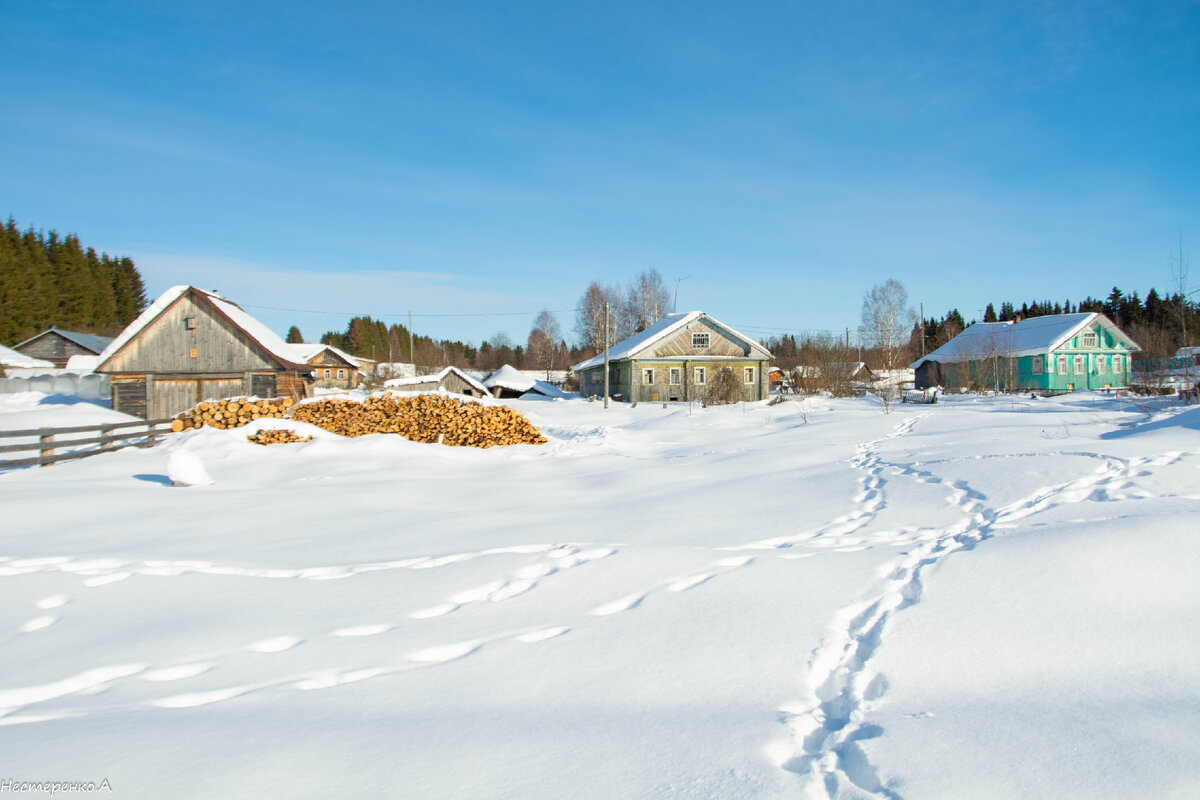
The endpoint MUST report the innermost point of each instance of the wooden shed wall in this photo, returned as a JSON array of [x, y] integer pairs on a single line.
[[52, 346], [166, 345]]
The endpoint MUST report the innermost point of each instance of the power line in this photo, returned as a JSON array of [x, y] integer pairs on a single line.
[[406, 314]]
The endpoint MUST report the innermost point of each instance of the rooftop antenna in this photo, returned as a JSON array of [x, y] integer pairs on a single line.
[[675, 307]]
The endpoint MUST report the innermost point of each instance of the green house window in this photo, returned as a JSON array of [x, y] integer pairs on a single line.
[[1089, 339], [1037, 365]]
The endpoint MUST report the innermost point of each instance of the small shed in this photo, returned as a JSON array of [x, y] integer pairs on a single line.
[[508, 381], [451, 379], [191, 345], [57, 346]]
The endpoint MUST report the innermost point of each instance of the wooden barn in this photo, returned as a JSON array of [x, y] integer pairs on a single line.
[[674, 359], [191, 345], [57, 346], [451, 379]]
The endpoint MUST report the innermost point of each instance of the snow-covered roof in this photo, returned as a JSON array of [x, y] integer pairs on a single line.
[[509, 377], [88, 363], [1029, 337], [11, 358], [266, 338], [660, 330], [305, 351], [87, 341], [400, 383]]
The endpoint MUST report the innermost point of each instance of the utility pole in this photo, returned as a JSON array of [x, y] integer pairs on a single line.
[[922, 330], [675, 307], [606, 354], [411, 360]]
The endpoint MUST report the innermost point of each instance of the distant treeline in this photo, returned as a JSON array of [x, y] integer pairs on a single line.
[[47, 279]]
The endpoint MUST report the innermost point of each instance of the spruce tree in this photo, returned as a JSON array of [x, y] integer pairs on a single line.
[[294, 336]]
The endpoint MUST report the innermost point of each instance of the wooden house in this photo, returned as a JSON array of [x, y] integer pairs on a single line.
[[674, 359], [57, 346], [1049, 354], [192, 345], [450, 379], [331, 368]]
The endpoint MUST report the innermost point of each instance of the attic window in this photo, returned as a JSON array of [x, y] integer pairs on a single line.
[[189, 323], [699, 340], [1089, 339]]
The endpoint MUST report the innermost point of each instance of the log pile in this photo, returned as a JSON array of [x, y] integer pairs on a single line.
[[230, 413], [277, 436], [422, 418]]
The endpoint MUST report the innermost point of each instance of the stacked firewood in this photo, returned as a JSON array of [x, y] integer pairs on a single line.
[[422, 418], [230, 413], [277, 436]]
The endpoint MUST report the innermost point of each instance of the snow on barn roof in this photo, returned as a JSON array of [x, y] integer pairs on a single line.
[[509, 377], [87, 341], [659, 330], [400, 383], [1029, 337], [11, 358], [266, 338]]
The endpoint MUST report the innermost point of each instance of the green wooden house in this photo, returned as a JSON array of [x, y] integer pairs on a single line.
[[675, 359], [1049, 354]]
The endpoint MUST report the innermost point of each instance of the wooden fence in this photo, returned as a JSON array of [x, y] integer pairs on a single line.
[[48, 441]]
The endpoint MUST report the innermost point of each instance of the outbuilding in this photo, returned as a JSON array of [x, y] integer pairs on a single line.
[[57, 346], [191, 345]]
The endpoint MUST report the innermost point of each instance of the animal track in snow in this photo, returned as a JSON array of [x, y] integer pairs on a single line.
[[176, 673], [275, 645], [53, 601], [362, 630], [37, 623], [632, 601]]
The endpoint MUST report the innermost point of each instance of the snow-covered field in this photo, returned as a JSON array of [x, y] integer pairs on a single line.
[[988, 597]]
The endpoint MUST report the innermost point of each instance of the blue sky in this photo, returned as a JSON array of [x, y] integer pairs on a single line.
[[489, 159]]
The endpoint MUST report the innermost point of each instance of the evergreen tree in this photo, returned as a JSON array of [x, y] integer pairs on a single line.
[[294, 336], [989, 314]]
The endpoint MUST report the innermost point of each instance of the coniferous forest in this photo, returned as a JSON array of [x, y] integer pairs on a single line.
[[48, 279]]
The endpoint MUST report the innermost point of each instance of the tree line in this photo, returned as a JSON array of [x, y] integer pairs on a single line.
[[47, 279]]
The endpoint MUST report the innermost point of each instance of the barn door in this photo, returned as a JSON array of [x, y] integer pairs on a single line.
[[173, 396], [220, 388]]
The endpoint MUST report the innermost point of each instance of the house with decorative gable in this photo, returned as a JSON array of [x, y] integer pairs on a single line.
[[1051, 354], [674, 360], [332, 368]]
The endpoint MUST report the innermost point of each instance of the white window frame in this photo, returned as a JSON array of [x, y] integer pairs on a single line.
[[699, 375], [1037, 365], [341, 374], [748, 375], [647, 374], [701, 340], [1062, 365], [1117, 366], [1080, 365], [328, 373], [1090, 339], [676, 374]]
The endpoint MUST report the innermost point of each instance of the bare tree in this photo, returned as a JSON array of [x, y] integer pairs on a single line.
[[544, 341], [887, 319], [647, 300]]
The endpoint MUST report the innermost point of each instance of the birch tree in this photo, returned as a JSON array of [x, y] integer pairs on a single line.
[[887, 319]]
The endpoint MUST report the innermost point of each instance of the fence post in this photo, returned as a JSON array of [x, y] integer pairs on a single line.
[[152, 434], [45, 447], [105, 430]]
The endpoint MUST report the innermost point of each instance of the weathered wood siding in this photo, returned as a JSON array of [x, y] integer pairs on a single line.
[[290, 384], [52, 346], [263, 384], [719, 343], [168, 345], [129, 395]]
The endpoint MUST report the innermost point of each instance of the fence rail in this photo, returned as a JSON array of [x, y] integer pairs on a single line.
[[47, 441]]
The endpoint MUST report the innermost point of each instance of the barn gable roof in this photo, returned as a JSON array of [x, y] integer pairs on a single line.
[[632, 346], [260, 334], [87, 341], [1029, 337], [305, 351], [400, 383]]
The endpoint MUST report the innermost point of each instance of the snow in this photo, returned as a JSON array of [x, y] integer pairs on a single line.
[[400, 383], [1029, 337], [989, 597], [304, 351], [509, 377], [256, 330], [660, 330], [13, 358]]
